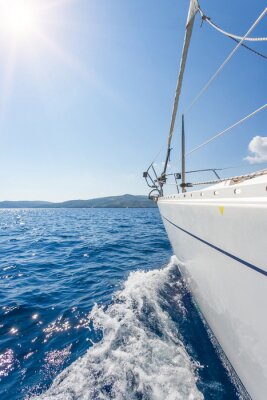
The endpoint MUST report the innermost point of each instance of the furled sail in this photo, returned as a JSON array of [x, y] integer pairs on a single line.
[[193, 9]]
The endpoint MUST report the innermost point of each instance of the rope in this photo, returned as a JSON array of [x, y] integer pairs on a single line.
[[251, 39], [234, 37], [203, 90], [249, 48], [227, 129]]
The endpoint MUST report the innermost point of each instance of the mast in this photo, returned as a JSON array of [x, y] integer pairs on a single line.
[[183, 156], [193, 8]]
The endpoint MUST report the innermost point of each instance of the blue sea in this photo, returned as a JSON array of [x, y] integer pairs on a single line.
[[93, 306]]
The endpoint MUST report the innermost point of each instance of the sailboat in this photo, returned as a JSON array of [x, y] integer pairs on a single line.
[[219, 236]]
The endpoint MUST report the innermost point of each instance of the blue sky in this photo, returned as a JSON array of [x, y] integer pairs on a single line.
[[85, 103]]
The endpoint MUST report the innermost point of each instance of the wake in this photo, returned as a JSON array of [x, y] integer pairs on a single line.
[[141, 355]]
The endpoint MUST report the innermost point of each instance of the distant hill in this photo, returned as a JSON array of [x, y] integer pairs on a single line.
[[125, 201]]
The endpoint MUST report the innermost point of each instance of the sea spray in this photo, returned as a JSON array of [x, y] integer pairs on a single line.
[[141, 355]]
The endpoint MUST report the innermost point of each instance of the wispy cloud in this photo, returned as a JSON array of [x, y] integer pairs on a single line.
[[258, 149]]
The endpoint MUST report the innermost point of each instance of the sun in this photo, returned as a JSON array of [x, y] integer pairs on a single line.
[[18, 18], [33, 45]]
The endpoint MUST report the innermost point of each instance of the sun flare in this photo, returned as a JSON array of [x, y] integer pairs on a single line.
[[33, 45], [18, 18]]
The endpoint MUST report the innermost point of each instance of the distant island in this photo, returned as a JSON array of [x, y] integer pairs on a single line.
[[125, 201]]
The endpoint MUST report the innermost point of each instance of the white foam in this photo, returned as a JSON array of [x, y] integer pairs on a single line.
[[140, 355]]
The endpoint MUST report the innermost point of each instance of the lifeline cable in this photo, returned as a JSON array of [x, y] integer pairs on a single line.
[[233, 178]]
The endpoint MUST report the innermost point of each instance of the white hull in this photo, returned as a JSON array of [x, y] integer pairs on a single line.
[[219, 235]]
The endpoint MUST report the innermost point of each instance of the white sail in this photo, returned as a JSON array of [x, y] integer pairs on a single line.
[[193, 8]]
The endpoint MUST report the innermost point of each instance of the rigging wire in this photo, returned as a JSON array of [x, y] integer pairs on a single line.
[[227, 129], [205, 87], [162, 147], [156, 156]]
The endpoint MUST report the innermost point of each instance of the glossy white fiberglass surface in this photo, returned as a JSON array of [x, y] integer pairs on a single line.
[[231, 296]]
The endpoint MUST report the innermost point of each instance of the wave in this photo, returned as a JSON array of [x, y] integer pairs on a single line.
[[141, 355]]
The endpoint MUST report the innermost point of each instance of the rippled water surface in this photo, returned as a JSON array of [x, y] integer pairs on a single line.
[[94, 307]]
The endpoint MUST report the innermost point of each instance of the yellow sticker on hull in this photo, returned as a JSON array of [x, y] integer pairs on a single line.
[[221, 208]]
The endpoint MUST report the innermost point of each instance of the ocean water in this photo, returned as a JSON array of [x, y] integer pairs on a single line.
[[92, 306]]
